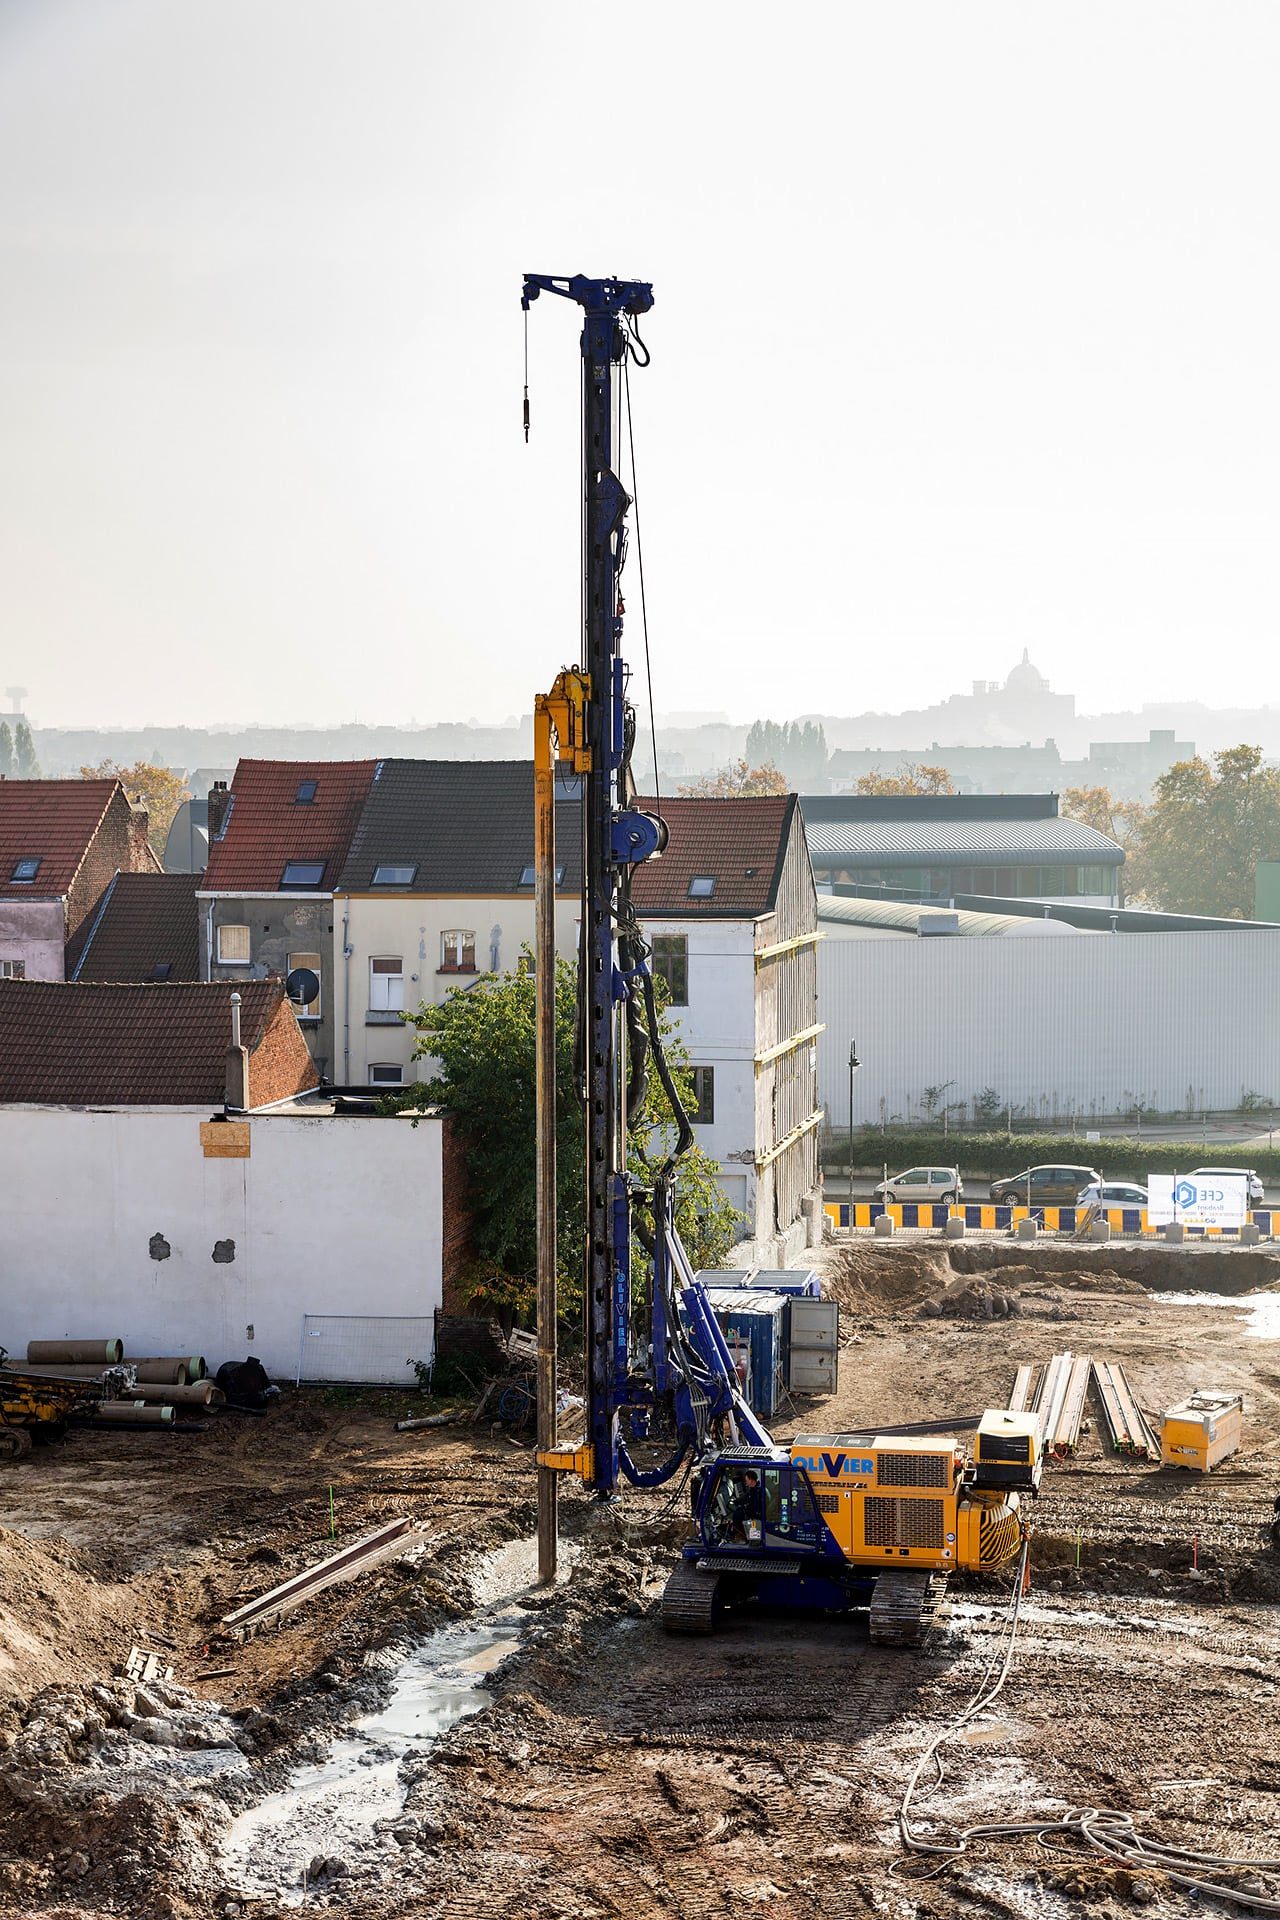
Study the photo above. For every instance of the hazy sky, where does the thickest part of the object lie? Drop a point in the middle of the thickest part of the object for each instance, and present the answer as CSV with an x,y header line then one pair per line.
x,y
965,340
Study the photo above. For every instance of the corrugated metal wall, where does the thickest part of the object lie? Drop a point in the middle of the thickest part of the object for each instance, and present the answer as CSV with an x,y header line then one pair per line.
x,y
1085,1024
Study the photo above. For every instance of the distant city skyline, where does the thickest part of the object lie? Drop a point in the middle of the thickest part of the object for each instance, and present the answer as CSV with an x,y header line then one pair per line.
x,y
963,342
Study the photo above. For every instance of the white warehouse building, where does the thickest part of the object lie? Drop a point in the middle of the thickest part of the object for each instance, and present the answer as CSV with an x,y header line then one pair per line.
x,y
1162,1013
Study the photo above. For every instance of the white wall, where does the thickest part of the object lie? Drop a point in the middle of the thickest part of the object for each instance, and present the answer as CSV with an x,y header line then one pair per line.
x,y
1087,1021
718,1029
328,1215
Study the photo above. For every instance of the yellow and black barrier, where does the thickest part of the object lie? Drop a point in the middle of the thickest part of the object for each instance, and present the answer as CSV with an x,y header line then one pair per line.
x,y
984,1217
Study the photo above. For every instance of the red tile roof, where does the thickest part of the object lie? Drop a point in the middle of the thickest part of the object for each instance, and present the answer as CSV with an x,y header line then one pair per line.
x,y
268,825
138,1046
52,821
739,844
143,921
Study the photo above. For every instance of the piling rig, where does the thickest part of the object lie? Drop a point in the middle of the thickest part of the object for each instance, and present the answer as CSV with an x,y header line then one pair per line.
x,y
836,1522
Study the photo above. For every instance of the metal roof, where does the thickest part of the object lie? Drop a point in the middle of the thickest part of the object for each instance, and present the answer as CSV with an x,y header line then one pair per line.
x,y
990,843
930,806
904,916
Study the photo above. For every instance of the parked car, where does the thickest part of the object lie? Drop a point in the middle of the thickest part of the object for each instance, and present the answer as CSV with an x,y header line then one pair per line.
x,y
1113,1193
940,1185
1256,1195
1044,1186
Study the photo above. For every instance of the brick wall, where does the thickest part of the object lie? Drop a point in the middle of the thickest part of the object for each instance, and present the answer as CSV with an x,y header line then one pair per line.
x,y
457,1216
281,1063
120,844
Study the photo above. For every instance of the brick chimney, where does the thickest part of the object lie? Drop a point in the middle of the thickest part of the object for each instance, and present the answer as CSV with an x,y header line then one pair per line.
x,y
219,808
237,1069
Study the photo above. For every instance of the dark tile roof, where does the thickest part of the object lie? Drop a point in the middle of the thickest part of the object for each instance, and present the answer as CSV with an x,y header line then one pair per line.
x,y
143,921
269,826
740,844
465,825
52,821
133,1045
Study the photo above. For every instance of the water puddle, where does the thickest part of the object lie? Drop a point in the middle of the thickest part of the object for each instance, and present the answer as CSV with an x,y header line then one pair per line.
x,y
1261,1310
341,1806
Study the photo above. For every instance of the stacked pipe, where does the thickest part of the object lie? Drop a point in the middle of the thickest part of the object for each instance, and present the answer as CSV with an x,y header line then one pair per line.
x,y
161,1382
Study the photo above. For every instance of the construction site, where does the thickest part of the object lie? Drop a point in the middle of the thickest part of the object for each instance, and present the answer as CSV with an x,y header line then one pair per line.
x,y
442,1735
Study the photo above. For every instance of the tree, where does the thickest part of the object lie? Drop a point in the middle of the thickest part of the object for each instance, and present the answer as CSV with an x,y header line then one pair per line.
x,y
1098,807
1199,842
159,790
737,781
482,1038
909,777
26,766
800,752
6,750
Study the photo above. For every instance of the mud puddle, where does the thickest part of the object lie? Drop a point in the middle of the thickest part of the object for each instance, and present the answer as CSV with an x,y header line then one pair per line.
x,y
343,1808
1261,1310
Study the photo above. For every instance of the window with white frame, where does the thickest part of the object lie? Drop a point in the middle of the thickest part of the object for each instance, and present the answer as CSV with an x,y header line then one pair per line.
x,y
386,982
311,961
458,950
704,1096
386,1075
13,969
233,946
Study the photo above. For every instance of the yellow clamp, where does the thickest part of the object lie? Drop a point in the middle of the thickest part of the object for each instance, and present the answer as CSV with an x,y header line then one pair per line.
x,y
580,1460
566,709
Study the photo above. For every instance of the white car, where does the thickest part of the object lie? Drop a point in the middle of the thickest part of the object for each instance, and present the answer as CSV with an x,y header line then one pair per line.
x,y
925,1184
1256,1195
1113,1193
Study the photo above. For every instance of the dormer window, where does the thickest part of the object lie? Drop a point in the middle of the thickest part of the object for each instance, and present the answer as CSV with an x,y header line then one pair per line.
x,y
702,886
302,873
306,793
392,875
25,870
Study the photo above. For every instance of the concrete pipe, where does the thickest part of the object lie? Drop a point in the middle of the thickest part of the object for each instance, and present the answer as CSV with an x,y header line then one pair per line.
x,y
131,1413
198,1393
96,1353
168,1372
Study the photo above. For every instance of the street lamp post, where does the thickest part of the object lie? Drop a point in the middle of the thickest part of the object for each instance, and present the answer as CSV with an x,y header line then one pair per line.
x,y
853,1068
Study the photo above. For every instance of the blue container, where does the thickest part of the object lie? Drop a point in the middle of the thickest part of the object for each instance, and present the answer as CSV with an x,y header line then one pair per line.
x,y
759,1319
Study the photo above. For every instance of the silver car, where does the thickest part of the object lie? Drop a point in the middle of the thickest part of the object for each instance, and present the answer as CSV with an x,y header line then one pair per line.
x,y
1215,1173
939,1185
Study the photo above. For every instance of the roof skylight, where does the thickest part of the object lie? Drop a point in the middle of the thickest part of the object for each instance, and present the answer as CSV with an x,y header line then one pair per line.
x,y
391,874
306,792
702,886
26,869
302,873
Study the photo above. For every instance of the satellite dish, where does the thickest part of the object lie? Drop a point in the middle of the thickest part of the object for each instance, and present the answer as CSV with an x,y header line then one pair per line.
x,y
302,986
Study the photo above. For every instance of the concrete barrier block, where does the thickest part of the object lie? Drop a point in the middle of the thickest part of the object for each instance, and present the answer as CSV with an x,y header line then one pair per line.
x,y
1100,1230
1027,1230
884,1227
1249,1234
954,1229
1175,1233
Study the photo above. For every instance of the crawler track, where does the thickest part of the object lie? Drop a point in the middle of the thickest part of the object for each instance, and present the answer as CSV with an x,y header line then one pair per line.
x,y
904,1606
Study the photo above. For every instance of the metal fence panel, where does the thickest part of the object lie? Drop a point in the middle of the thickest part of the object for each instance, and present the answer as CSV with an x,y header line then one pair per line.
x,y
363,1349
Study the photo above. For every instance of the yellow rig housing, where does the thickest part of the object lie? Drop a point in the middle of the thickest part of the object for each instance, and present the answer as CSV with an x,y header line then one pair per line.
x,y
906,1500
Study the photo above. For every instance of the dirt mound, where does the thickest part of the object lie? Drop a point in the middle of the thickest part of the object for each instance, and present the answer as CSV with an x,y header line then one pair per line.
x,y
972,1300
878,1279
57,1623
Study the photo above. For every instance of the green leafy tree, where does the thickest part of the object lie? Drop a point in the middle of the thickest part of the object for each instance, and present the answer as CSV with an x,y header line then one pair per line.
x,y
159,791
1197,846
26,766
6,750
482,1040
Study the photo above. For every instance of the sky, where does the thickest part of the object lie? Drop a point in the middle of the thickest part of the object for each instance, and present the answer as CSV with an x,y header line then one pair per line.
x,y
964,341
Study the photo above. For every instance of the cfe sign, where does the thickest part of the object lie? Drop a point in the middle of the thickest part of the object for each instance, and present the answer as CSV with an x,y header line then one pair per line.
x,y
1222,1201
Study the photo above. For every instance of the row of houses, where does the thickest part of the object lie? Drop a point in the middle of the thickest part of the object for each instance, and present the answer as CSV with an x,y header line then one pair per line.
x,y
387,884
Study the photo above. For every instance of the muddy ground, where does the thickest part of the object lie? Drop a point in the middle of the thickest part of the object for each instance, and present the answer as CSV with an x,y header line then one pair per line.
x,y
616,1771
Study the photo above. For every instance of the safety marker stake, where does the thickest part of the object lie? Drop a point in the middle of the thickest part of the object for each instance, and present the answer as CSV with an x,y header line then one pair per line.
x,y
333,1531
1078,1538
1195,1549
